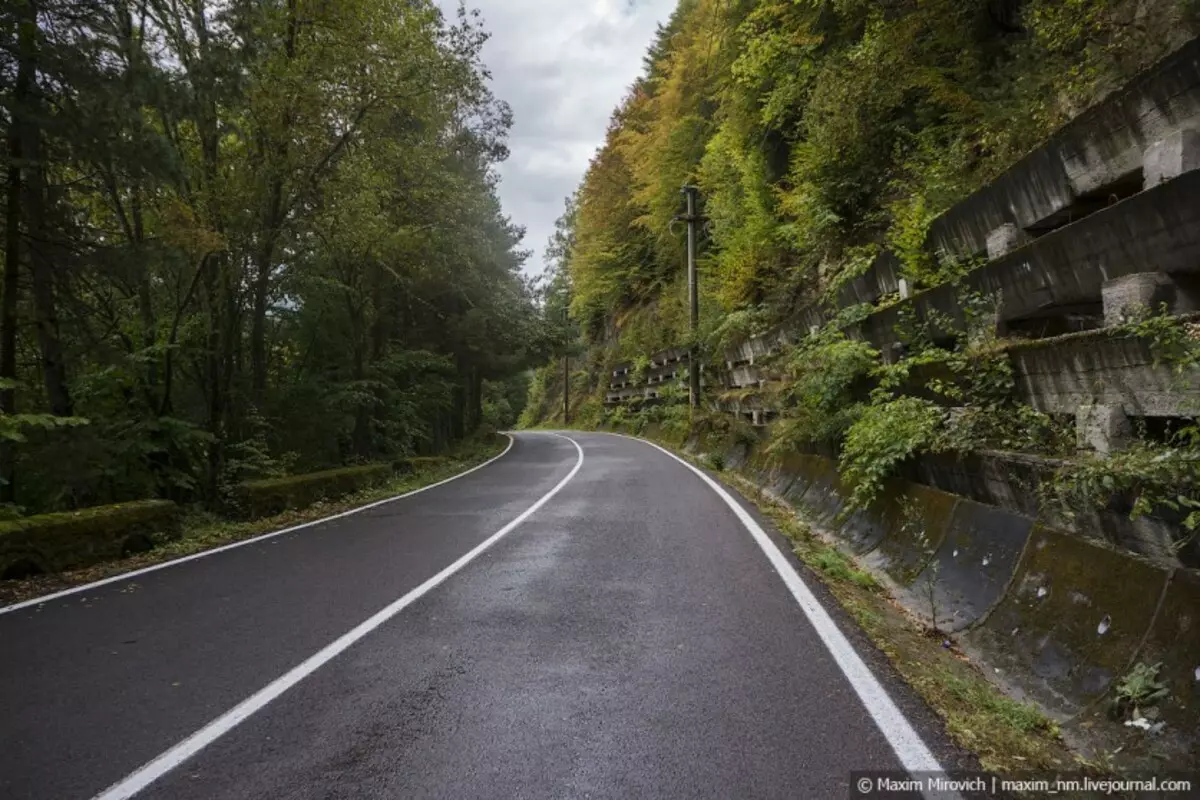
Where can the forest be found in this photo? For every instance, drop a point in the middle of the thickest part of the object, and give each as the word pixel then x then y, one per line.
pixel 246 238
pixel 820 134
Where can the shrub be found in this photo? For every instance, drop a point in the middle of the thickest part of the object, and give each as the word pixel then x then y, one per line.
pixel 823 375
pixel 265 498
pixel 72 539
pixel 885 436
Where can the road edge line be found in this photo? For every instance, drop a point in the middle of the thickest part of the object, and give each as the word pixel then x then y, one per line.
pixel 906 743
pixel 164 763
pixel 46 598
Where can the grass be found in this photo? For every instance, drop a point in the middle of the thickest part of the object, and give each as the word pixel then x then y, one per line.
pixel 837 566
pixel 204 531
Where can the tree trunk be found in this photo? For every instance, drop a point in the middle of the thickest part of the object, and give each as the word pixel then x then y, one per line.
pixel 12 250
pixel 217 281
pixel 273 215
pixel 41 264
pixel 475 406
pixel 45 304
pixel 258 321
pixel 362 412
pixel 458 413
pixel 212 374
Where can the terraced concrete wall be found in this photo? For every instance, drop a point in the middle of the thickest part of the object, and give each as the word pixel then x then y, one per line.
pixel 666 368
pixel 1091 205
pixel 1157 230
pixel 1097 149
pixel 1056 617
pixel 1057 376
pixel 1060 606
pixel 1013 481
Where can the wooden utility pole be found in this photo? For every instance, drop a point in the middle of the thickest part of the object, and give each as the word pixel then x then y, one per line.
pixel 693 298
pixel 567 372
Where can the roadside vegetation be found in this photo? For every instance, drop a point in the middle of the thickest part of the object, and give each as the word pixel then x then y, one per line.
pixel 1009 737
pixel 822 135
pixel 201 530
pixel 248 240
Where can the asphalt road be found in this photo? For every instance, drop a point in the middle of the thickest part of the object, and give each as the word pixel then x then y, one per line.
pixel 628 637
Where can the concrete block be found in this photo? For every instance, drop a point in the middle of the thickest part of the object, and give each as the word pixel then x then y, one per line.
pixel 971 569
pixel 1124 296
pixel 1171 157
pixel 1056 377
pixel 902 285
pixel 916 519
pixel 1003 240
pixel 1102 428
pixel 1174 642
pixel 817 489
pixel 1071 621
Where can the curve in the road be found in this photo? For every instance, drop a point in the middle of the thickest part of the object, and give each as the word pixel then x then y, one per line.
pixel 629 640
pixel 903 738
pixel 172 758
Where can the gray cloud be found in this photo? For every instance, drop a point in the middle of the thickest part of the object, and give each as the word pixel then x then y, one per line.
pixel 563 65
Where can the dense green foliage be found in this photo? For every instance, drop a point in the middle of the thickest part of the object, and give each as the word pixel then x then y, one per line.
pixel 246 238
pixel 819 132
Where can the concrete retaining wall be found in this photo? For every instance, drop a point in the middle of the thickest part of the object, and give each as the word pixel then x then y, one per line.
pixel 1057 618
pixel 666 368
pixel 1096 150
pixel 881 278
pixel 1157 230
pixel 1012 481
pixel 1109 207
pixel 1073 619
pixel 1174 641
pixel 1059 375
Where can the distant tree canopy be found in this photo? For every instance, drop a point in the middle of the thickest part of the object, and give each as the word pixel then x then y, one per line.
pixel 247 236
pixel 820 131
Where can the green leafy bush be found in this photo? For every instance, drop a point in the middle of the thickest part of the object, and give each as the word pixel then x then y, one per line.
pixel 1141 688
pixel 1159 478
pixel 264 498
pixel 822 374
pixel 883 437
pixel 68 540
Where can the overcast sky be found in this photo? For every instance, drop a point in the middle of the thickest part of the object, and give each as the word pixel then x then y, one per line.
pixel 563 65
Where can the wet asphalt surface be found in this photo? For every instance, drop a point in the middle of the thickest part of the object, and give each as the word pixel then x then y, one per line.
pixel 628 639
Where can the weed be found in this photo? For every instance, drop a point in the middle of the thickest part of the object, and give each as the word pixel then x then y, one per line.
pixel 1021 717
pixel 1140 688
pixel 837 565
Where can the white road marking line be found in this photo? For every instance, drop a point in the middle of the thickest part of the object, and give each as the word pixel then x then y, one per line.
pixel 907 744
pixel 124 576
pixel 160 766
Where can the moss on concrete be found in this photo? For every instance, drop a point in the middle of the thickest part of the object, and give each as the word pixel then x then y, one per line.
pixel 1174 642
pixel 973 565
pixel 265 498
pixel 69 540
pixel 915 519
pixel 1072 619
